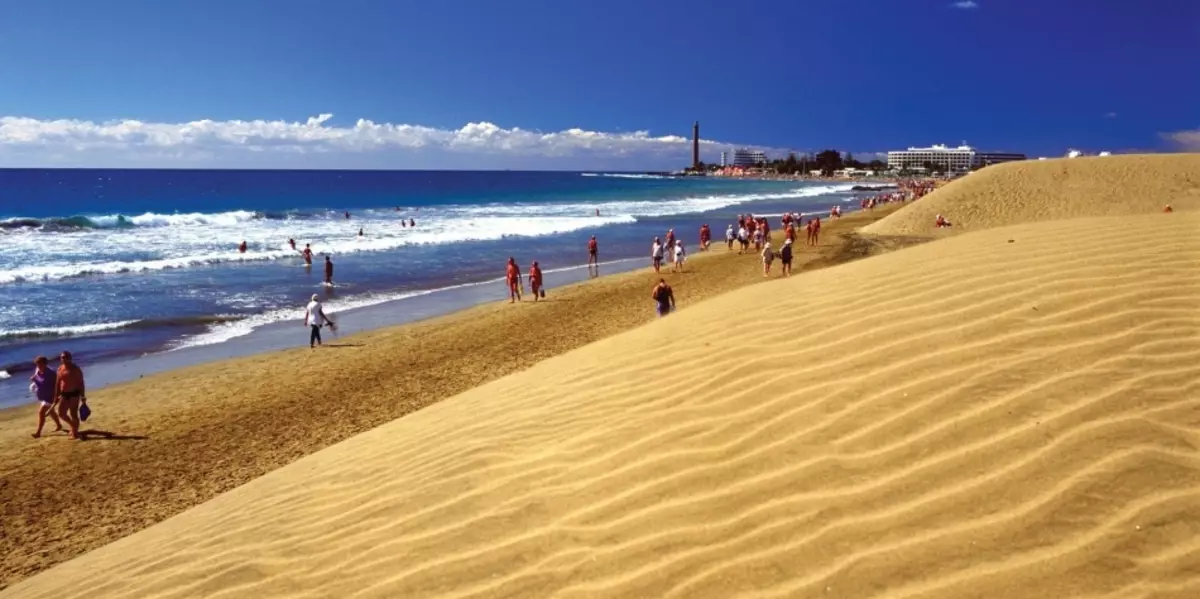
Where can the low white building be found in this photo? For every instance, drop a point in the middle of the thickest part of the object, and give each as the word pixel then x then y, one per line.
pixel 962 158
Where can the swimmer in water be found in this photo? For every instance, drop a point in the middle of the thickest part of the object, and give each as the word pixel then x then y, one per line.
pixel 347 215
pixel 412 223
pixel 242 248
pixel 292 242
pixel 360 232
pixel 307 253
pixel 328 270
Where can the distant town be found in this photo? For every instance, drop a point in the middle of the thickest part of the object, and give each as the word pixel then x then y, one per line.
pixel 936 160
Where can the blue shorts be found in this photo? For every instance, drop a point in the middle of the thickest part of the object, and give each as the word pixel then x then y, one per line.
pixel 662 310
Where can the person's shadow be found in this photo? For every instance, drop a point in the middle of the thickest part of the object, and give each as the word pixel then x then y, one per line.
pixel 92 434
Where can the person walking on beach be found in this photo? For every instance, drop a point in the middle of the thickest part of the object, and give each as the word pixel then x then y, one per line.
pixel 768 256
pixel 816 230
pixel 315 318
pixel 328 271
pixel 808 232
pixel 512 275
pixel 680 256
pixel 785 258
pixel 44 383
pixel 663 297
pixel 593 256
pixel 705 237
pixel 71 393
pixel 535 280
pixel 743 239
pixel 729 237
pixel 307 253
pixel 656 254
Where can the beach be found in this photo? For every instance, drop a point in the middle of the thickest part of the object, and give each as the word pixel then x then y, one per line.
pixel 156 253
pixel 1007 409
pixel 182 437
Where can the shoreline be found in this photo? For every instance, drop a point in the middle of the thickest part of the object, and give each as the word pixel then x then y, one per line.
pixel 277 335
pixel 251 294
pixel 167 442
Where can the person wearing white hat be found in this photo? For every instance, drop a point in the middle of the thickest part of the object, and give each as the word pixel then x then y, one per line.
pixel 768 256
pixel 314 317
pixel 785 258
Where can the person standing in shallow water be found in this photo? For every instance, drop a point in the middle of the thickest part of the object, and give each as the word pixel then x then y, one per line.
pixel 328 270
pixel 44 383
pixel 593 257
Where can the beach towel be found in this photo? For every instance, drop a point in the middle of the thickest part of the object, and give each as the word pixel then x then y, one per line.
pixel 84 412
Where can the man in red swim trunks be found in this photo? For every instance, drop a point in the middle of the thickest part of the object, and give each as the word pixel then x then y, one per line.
pixel 512 275
pixel 593 256
pixel 705 237
pixel 535 280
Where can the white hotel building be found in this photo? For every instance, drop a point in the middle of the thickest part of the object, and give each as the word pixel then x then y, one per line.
pixel 745 157
pixel 962 158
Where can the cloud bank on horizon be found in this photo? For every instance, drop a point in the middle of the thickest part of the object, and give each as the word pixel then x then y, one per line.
pixel 1188 141
pixel 316 143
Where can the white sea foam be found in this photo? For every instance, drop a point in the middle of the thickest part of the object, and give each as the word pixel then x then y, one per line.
pixel 70 331
pixel 627 175
pixel 156 242
pixel 4 374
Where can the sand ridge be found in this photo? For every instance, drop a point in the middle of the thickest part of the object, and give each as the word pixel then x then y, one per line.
pixel 1041 190
pixel 1006 413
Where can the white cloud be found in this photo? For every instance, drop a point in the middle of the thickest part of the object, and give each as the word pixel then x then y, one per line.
pixel 1188 141
pixel 317 142
pixel 966 4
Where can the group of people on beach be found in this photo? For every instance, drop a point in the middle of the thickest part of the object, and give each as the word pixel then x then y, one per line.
pixel 516 283
pixel 60 394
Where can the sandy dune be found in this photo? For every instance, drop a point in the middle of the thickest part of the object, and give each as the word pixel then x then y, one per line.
pixel 1007 413
pixel 1040 190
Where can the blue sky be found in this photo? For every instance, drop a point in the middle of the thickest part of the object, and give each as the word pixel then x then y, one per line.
pixel 571 83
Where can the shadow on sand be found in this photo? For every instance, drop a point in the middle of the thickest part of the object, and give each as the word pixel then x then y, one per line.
pixel 92 434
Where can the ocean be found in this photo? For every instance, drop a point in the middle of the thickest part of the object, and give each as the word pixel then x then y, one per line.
pixel 120 264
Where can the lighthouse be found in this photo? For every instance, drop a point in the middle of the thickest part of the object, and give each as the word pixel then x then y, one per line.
pixel 696 146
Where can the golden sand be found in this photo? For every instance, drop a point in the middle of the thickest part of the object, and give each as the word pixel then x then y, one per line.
pixel 1012 412
pixel 186 436
pixel 1040 190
